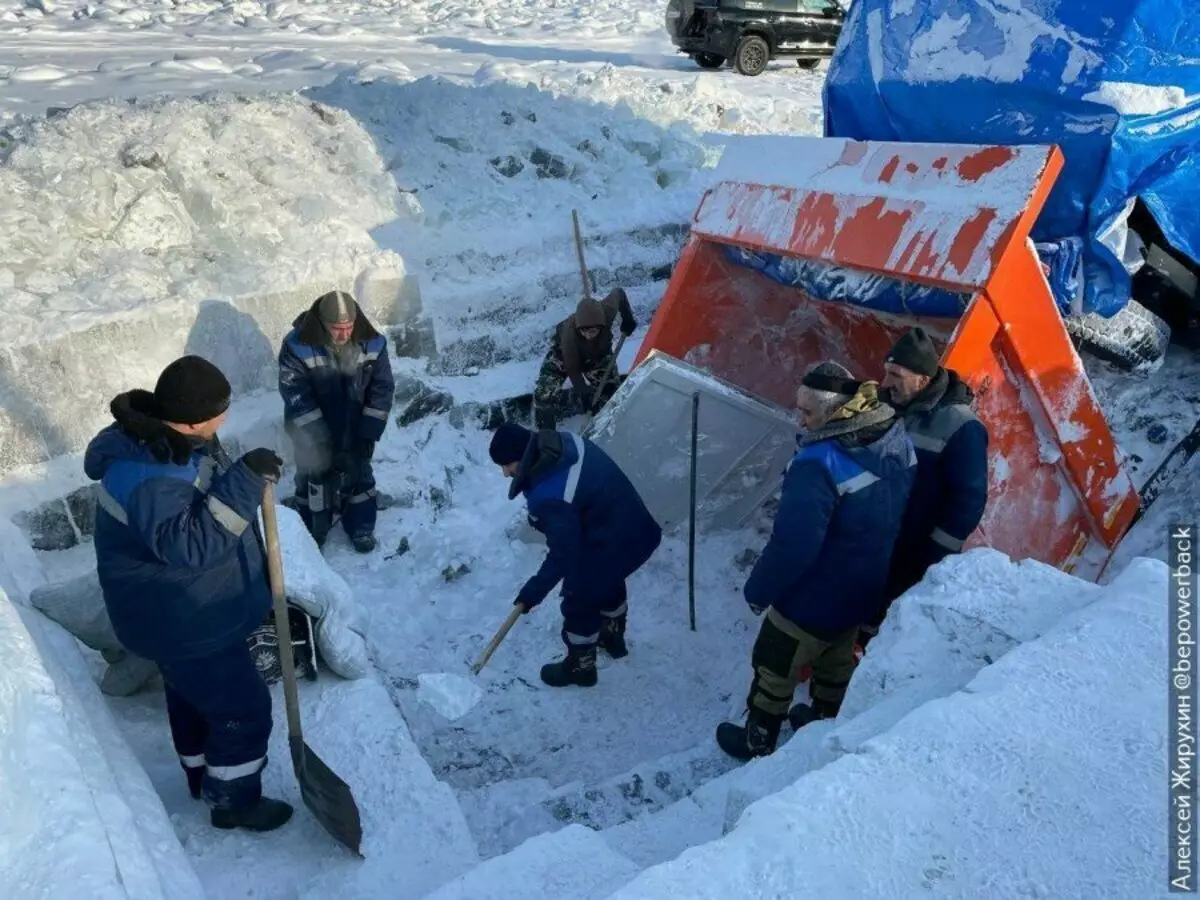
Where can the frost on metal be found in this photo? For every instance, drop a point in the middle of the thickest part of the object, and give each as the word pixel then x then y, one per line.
pixel 743 444
pixel 939 212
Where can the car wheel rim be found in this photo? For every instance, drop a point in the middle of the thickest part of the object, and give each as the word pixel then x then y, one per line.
pixel 752 58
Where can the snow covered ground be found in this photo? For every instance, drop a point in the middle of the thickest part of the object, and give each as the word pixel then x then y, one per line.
pixel 447 142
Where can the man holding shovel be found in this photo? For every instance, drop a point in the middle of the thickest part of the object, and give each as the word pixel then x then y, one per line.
pixel 184 577
pixel 581 350
pixel 598 532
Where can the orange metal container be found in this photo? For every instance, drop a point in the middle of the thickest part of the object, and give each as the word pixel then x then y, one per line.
pixel 951 216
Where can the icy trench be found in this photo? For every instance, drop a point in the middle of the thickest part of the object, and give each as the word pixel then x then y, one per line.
pixel 526 759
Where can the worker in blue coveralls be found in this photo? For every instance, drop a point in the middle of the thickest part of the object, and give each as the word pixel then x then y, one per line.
pixel 337 387
pixel 825 566
pixel 182 568
pixel 598 533
pixel 951 491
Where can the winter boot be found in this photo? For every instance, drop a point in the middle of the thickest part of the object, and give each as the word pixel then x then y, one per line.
pixel 579 668
pixel 612 636
pixel 364 543
pixel 756 738
pixel 264 814
pixel 195 779
pixel 803 713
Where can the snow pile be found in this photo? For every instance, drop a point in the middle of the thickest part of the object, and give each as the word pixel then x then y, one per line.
pixel 112 206
pixel 967 613
pixel 986 792
pixel 482 166
pixel 134 233
pixel 78 817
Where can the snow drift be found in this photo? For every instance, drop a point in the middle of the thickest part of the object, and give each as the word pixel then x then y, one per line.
pixel 133 233
pixel 78 816
pixel 987 792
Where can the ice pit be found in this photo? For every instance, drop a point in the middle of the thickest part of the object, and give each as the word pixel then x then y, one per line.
pixel 512 781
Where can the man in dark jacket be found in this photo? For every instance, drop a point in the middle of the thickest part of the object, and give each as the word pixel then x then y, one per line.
pixel 337 387
pixel 825 565
pixel 598 532
pixel 184 577
pixel 951 490
pixel 581 350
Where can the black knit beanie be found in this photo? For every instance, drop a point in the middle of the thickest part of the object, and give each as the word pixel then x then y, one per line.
pixel 509 443
pixel 915 352
pixel 191 390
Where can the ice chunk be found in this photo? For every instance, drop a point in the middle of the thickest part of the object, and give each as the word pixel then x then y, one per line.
pixel 575 862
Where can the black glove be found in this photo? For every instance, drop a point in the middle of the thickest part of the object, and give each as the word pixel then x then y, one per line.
pixel 628 326
pixel 757 610
pixel 265 463
pixel 521 606
pixel 342 463
pixel 364 450
pixel 584 396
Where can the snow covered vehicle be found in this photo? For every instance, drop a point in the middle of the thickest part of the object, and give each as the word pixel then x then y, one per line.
pixel 1112 83
pixel 753 32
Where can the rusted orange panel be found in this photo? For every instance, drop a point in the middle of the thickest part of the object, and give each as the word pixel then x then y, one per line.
pixel 760 335
pixel 1033 510
pixel 1058 383
pixel 950 216
pixel 937 213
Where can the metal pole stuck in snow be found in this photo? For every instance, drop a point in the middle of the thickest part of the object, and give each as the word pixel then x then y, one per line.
pixel 692 516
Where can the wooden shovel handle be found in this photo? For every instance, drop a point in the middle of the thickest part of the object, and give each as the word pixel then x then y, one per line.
pixel 283 628
pixel 491 648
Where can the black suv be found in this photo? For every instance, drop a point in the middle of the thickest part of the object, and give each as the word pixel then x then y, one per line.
pixel 753 32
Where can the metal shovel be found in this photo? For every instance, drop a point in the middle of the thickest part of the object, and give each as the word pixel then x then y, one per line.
pixel 324 793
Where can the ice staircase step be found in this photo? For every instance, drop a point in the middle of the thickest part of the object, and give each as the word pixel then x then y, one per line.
pixel 574 863
pixel 938 637
pixel 984 792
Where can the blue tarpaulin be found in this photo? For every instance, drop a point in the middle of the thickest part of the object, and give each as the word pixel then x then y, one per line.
pixel 1114 83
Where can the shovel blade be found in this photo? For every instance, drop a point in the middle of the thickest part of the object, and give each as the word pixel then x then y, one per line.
pixel 327 796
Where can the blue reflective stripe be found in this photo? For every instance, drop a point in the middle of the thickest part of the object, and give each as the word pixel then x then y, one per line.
pixel 552 487
pixel 846 473
pixel 124 477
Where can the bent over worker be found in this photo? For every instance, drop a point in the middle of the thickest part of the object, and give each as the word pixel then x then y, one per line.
pixel 337 387
pixel 951 489
pixel 598 533
pixel 581 349
pixel 183 572
pixel 825 565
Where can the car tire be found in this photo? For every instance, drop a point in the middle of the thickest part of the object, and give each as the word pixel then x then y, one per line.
pixel 709 60
pixel 808 64
pixel 1133 340
pixel 752 55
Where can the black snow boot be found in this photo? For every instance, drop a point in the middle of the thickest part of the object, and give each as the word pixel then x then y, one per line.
pixel 612 636
pixel 364 543
pixel 579 668
pixel 264 814
pixel 756 738
pixel 803 713
pixel 195 779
